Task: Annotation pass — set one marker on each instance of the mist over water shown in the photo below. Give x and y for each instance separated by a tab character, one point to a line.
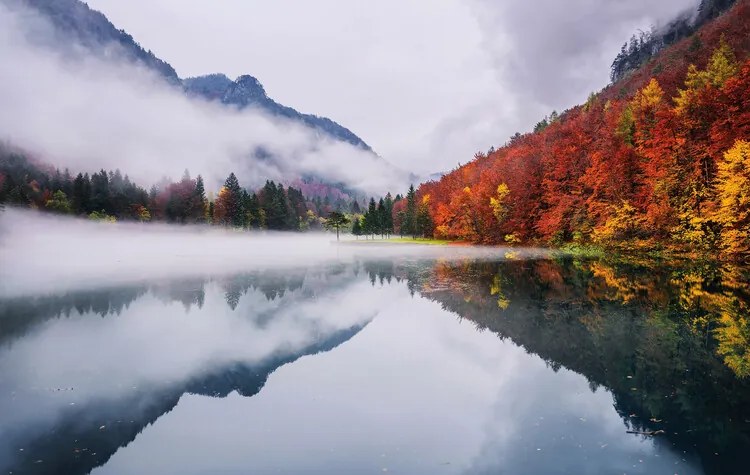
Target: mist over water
414	363
45	253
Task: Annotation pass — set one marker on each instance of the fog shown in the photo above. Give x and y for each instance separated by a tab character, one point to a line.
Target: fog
76	110
42	254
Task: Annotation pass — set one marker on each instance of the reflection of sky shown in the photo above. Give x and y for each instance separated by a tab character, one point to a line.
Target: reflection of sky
416	391
67	364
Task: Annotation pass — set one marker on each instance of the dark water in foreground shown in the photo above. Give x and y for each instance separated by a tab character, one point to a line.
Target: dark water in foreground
411	367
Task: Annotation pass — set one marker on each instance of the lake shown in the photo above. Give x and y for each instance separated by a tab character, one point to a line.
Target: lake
408	365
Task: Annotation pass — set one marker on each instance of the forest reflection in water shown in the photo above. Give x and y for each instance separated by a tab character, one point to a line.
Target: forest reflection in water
669	342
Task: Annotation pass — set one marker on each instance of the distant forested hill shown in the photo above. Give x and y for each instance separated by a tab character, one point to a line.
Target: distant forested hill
644	46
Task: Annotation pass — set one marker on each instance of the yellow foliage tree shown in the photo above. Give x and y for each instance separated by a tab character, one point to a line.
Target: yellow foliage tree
220	206
721	66
497	202
624	221
644	106
732	188
650	96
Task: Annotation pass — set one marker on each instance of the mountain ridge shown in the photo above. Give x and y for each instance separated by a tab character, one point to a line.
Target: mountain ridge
75	22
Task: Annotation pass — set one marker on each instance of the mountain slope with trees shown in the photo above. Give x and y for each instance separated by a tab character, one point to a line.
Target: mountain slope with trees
658	160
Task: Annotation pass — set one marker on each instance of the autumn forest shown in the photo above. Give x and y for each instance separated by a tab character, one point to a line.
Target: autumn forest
657	161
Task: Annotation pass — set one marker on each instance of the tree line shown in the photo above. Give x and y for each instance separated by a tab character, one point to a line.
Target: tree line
110	195
659	161
389	216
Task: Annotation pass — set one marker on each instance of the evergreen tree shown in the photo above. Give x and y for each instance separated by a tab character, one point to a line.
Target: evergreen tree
401	216
424	221
100	192
388	224
357	226
274	205
233	203
289	217
382	219
81	194
371	218
409	225
252	210
198	208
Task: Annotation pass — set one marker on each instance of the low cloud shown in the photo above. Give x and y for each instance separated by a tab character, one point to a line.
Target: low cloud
550	55
87	112
85	254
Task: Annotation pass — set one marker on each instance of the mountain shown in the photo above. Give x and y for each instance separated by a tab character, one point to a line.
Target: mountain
658	161
643	47
247	91
77	24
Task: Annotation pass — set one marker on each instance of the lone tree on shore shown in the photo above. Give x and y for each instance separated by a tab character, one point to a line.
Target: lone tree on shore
336	220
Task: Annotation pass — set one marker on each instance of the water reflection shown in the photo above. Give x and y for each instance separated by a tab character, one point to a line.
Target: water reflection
670	343
560	360
82	374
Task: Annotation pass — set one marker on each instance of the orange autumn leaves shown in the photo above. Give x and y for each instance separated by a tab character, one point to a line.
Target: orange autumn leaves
661	167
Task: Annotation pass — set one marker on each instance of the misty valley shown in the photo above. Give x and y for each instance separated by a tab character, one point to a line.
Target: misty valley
404	364
317	238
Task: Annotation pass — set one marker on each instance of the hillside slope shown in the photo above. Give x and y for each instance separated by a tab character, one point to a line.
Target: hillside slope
655	160
77	24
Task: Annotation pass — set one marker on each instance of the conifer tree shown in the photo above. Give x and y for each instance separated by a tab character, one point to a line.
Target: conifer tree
371	218
198	211
388	219
357	227
382	218
409	225
233	202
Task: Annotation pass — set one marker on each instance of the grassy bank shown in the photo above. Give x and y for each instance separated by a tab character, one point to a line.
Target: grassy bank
409	240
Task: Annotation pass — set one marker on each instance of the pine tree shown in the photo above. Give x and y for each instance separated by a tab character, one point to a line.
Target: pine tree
198	211
409	225
100	192
371	218
388	219
382	218
81	194
357	227
233	202
252	211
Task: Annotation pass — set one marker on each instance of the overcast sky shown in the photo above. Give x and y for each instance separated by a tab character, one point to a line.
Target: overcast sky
426	83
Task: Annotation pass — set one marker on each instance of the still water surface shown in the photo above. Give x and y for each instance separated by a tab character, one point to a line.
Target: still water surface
401	366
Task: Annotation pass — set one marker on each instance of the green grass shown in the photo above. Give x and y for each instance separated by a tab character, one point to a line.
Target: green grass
408	240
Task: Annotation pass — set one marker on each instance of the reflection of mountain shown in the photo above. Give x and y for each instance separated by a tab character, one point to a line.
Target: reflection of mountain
644	334
109	412
85	438
19	315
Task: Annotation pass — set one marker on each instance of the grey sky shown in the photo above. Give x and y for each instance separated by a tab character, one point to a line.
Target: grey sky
426	83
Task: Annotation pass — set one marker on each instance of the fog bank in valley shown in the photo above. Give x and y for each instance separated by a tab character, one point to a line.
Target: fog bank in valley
85	112
41	253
